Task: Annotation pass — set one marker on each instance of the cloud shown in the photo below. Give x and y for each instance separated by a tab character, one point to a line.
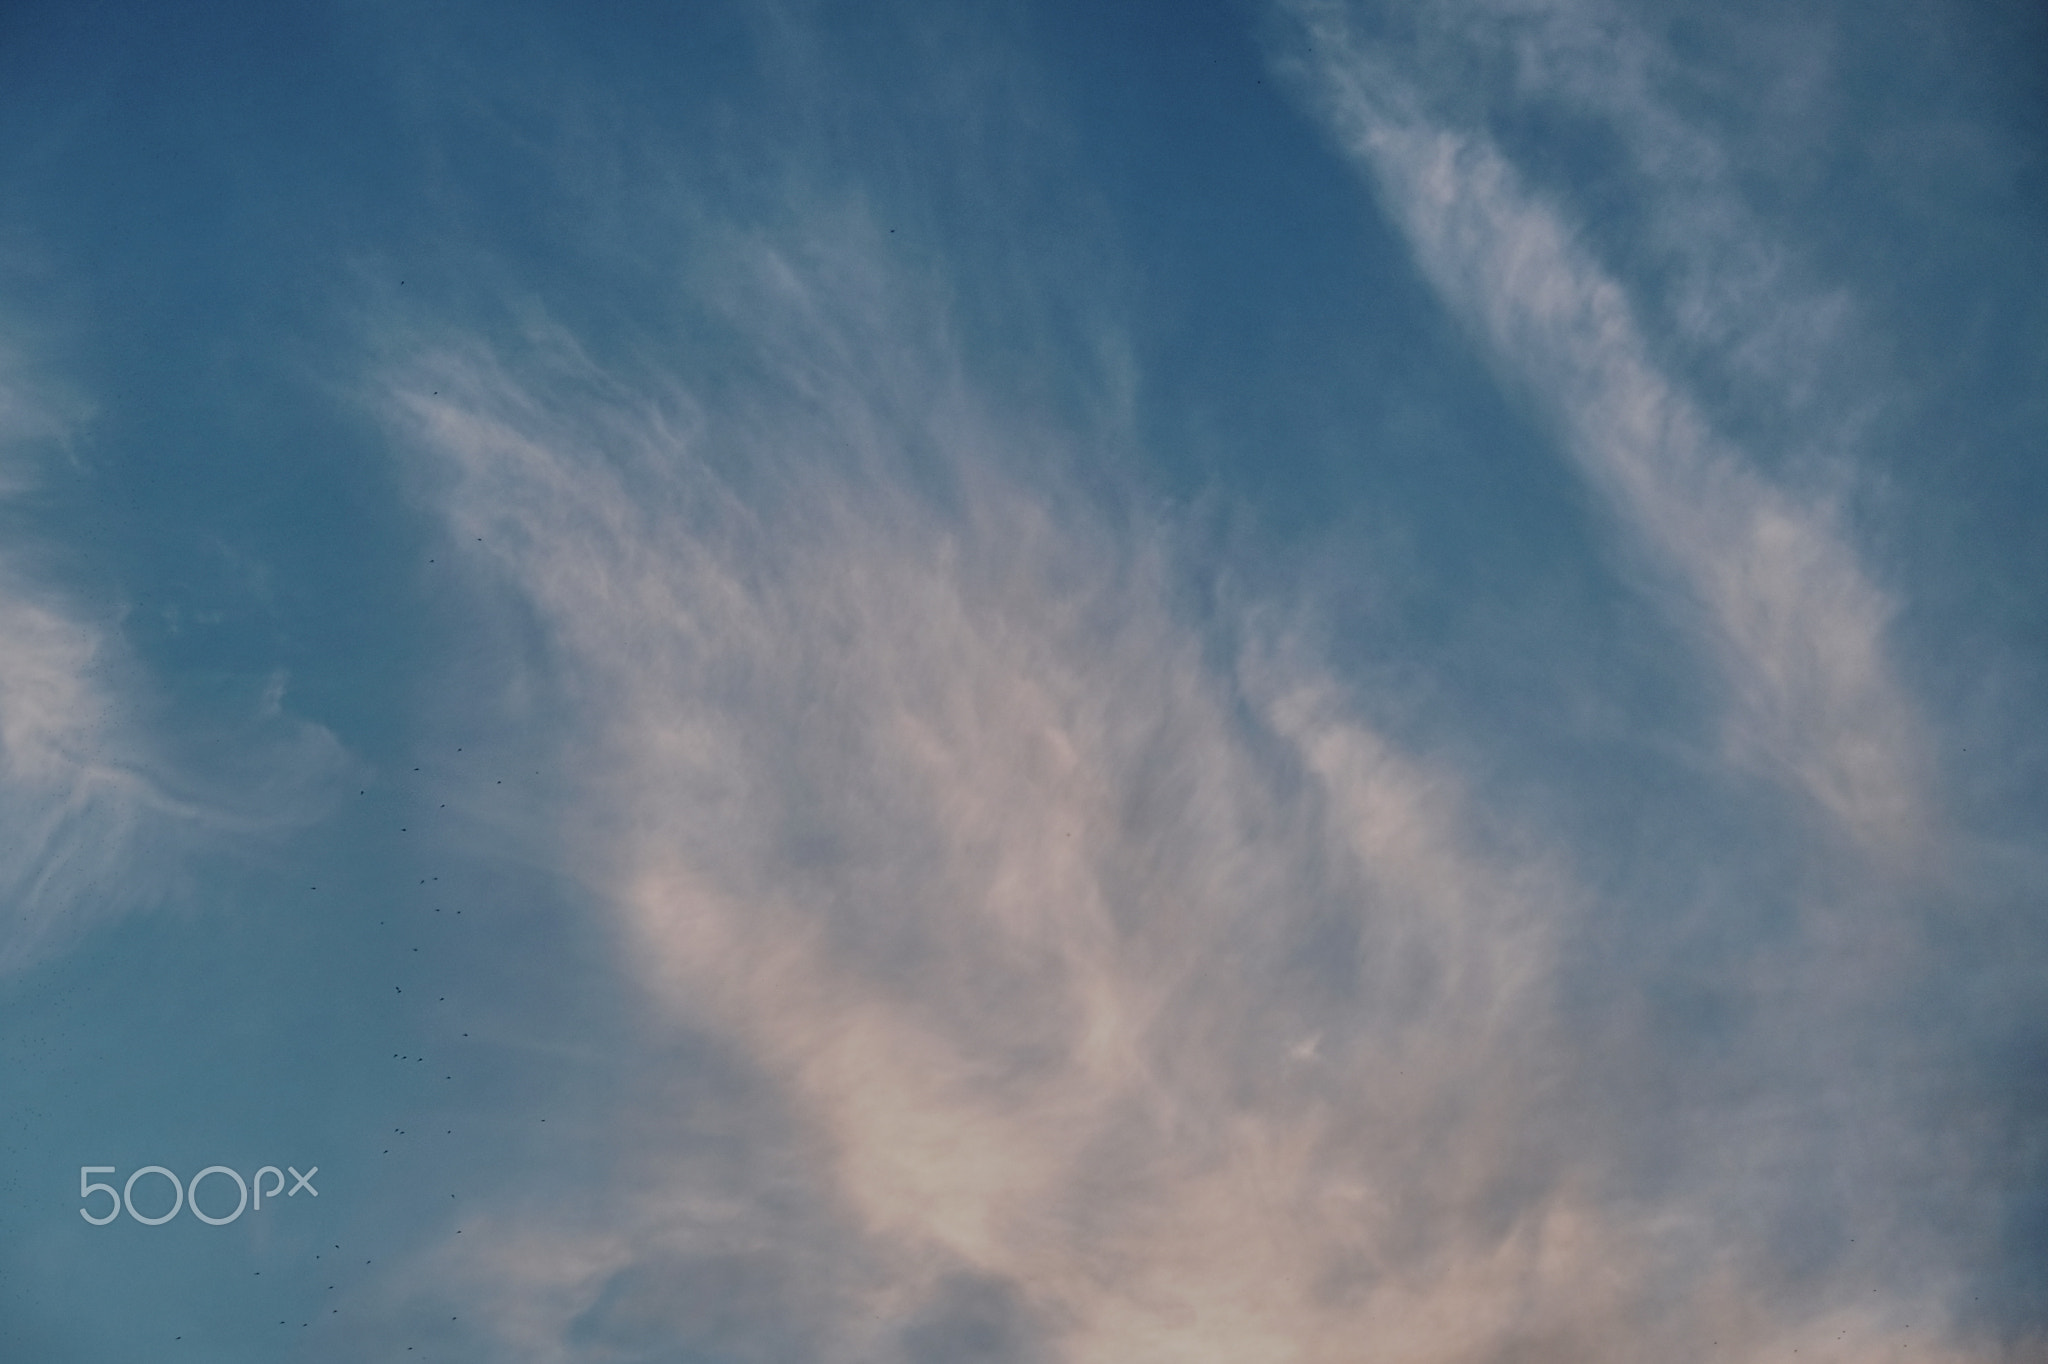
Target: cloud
1780	598
75	810
1125	995
1101	982
96	819
1136	1007
77	816
1615	354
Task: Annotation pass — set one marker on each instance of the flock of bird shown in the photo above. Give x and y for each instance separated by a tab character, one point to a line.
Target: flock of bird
406	931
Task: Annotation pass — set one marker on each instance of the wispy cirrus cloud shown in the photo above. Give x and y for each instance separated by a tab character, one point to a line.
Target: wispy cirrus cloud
77	815
1100	982
1703	394
1150	1008
1011	753
1118	1002
96	817
1781	600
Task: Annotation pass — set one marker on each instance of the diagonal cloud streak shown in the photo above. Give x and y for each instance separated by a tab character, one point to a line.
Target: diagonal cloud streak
1772	587
1787	611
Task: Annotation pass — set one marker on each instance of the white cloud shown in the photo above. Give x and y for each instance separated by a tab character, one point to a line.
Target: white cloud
1768	578
94	821
76	813
1166	1000
1784	606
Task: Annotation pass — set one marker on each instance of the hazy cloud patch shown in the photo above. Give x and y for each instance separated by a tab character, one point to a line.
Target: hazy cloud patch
97	816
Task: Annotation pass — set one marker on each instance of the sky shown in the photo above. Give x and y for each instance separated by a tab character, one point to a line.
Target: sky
793	682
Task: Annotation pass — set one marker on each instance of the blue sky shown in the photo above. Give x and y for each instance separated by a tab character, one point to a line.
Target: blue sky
900	684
